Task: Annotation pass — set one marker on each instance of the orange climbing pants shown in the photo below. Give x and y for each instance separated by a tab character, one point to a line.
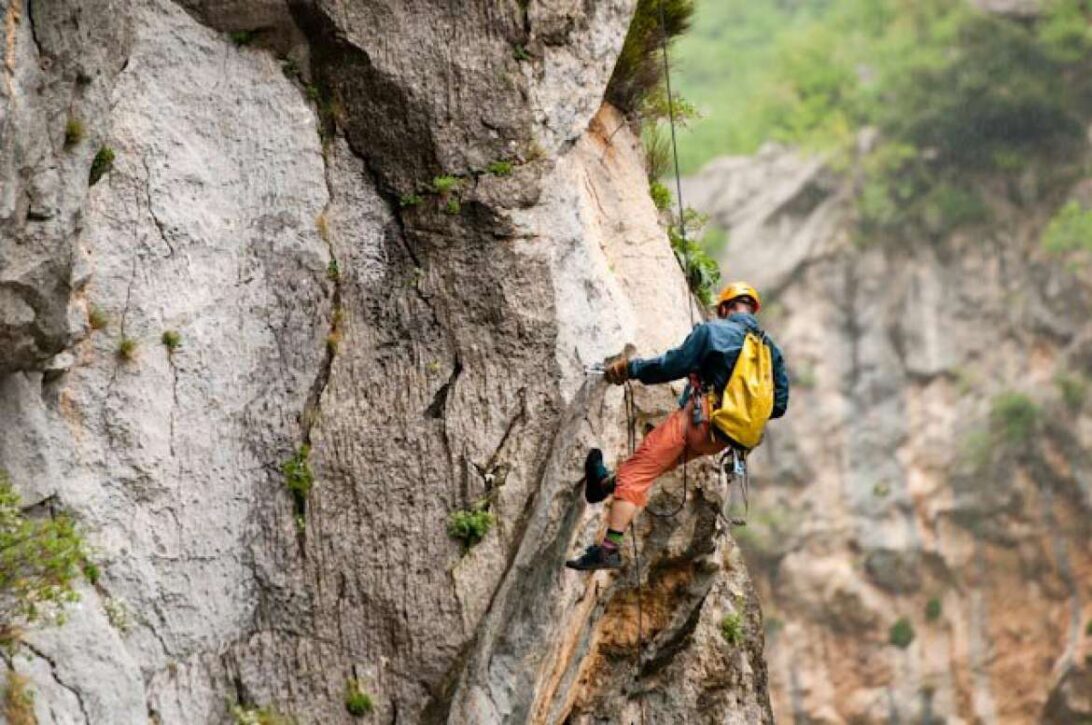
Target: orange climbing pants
662	450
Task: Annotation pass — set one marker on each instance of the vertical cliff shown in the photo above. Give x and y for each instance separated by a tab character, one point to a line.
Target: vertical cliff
387	238
920	529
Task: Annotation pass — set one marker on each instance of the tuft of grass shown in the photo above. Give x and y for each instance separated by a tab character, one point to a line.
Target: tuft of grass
639	68
117	613
445	184
470	525
521	53
290	68
902	633
73	132
357	702
103	163
1069	230
731	628
242	37
127	348
453	206
298	477
91	572
661	195
97	318
1013	417
500	168
1074	390
932	609
322	224
171	340
408	200
333	272
18	701
254	715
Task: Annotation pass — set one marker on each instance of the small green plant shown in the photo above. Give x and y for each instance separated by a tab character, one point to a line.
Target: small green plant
638	72
702	271
96	318
301	523
290	68
18	701
452	206
298	477
500	168
117	613
242	37
881	489
313	93
932	609
1013	417
1074	390
357	702
91	572
253	715
127	348
1070	230
73	132
902	633
333	272
520	53
731	628
470	525
40	559
661	195
408	200
444	184
171	340
104	161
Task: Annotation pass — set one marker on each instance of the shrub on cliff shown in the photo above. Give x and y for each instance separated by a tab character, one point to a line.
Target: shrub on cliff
902	633
40	560
470	525
638	71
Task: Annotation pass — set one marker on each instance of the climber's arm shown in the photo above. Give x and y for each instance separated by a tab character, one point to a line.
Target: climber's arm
781	383
673	364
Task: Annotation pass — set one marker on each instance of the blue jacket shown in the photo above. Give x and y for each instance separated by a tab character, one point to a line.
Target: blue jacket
711	350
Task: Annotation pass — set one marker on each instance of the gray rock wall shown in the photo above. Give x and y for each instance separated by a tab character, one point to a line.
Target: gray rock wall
270	201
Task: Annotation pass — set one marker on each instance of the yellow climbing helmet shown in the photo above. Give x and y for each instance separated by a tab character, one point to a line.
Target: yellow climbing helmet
739	289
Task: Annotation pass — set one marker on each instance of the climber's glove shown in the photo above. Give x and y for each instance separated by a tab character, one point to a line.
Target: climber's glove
616	369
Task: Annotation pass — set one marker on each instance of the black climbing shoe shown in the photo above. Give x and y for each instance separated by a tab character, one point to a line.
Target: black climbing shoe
598	480
596	557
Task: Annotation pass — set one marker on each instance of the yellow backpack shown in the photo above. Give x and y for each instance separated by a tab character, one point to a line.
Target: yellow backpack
747	400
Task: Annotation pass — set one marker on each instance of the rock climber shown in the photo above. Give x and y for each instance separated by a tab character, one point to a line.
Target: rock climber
707	357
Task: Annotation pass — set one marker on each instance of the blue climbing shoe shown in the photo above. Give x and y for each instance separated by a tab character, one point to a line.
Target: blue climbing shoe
598	479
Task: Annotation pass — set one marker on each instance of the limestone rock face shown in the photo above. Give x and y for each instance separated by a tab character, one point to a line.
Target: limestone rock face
277	199
906	485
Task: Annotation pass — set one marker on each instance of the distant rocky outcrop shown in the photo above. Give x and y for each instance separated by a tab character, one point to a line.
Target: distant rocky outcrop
921	520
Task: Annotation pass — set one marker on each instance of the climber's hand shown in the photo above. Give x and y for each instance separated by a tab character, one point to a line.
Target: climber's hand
616	369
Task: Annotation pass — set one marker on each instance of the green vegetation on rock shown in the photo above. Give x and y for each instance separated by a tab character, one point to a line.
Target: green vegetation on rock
40	561
902	633
357	702
932	609
1069	230
731	628
470	525
104	161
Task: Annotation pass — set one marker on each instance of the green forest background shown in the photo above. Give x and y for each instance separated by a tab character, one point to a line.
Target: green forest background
958	97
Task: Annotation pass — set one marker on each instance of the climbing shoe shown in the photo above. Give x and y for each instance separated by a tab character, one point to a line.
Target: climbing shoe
597	557
598	480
